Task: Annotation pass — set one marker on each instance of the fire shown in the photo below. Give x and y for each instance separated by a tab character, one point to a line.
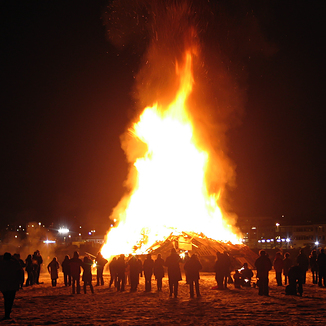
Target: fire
169	193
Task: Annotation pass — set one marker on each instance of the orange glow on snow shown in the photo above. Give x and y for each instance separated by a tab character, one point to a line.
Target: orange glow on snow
169	191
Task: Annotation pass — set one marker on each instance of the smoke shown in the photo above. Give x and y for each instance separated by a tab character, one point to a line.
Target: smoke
223	37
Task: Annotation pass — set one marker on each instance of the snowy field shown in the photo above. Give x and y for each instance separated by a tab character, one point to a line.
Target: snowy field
44	305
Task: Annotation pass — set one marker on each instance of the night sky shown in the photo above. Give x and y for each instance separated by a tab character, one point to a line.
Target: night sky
67	96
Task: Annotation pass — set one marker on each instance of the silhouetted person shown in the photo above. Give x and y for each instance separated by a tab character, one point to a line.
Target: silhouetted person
121	273
321	261
38	261
148	272
66	270
10	278
303	263
30	271
22	265
159	271
219	271
173	264
278	266
237	279
314	266
287	263
75	270
227	269
263	266
295	281
246	275
100	263
113	272
185	259
87	273
192	268
53	268
134	273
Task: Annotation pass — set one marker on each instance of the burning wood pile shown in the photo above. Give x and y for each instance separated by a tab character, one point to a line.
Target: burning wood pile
205	248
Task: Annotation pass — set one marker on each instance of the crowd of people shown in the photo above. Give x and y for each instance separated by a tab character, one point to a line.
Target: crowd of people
129	270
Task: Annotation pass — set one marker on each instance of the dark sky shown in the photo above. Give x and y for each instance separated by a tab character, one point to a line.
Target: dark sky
66	99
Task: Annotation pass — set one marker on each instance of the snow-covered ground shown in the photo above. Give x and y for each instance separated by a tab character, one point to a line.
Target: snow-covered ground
45	305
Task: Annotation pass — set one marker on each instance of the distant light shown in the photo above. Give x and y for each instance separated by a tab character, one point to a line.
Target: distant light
253	228
20	226
49	241
114	220
277	224
80	226
278	240
63	231
32	225
16	236
39	223
90	233
288	240
317	243
259	241
111	225
79	234
283	240
262	240
268	240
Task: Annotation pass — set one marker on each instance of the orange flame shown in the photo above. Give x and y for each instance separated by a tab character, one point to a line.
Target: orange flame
170	192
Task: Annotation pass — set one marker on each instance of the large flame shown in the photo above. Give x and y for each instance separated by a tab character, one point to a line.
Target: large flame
170	192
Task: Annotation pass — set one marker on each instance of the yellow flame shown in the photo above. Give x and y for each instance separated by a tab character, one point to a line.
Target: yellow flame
170	192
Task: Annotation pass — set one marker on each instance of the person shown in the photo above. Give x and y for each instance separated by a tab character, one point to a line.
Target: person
246	275
219	271
100	263
227	269
30	270
113	272
321	261
185	259
134	273
237	279
22	265
75	269
295	281
314	266
174	273
87	273
192	268
66	271
159	271
38	261
263	266
53	268
121	273
278	267
303	263
148	272
10	278
287	263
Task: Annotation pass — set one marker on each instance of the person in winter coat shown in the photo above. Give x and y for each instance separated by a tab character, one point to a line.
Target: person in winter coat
22	265
303	263
135	271
159	271
263	266
66	270
100	263
38	261
75	270
148	272
174	273
10	278
278	266
113	272
287	263
87	273
121	273
29	270
295	281
219	270
321	261
192	268
53	268
314	266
